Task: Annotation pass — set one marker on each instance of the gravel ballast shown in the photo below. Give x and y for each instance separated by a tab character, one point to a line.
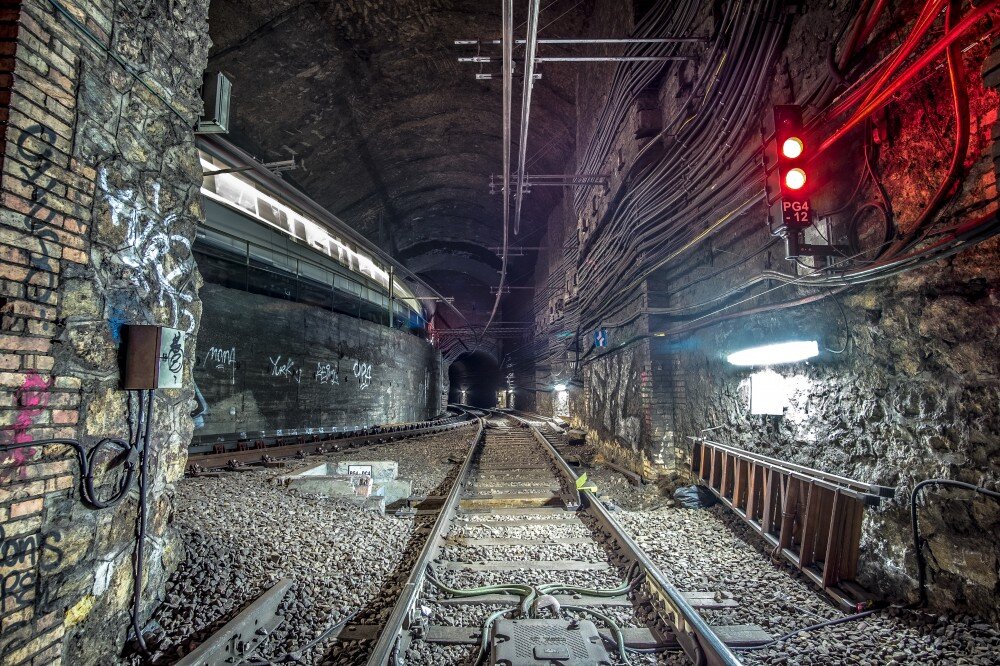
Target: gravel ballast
242	533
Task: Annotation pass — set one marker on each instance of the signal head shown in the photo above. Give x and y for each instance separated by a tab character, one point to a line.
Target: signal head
792	147
795	178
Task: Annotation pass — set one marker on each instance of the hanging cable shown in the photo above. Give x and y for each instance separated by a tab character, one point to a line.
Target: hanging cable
140	543
918	542
507	26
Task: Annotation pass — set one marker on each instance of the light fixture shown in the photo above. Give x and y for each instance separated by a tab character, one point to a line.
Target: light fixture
782	352
560	387
792	147
795	179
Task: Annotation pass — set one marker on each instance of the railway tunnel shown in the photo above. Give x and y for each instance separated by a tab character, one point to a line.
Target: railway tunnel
499	331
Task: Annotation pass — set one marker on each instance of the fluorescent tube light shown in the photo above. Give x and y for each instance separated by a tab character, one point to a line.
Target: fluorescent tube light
782	352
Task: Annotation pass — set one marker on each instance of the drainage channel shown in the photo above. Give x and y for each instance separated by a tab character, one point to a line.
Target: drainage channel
523	567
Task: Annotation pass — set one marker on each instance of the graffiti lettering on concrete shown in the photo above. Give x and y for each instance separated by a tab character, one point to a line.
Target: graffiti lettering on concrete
220	358
285	369
31	400
19	558
363	371
326	374
158	262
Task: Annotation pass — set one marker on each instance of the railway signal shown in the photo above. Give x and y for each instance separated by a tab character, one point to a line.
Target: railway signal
788	184
786	152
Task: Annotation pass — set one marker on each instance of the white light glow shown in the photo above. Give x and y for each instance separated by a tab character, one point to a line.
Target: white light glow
560	387
768	393
782	352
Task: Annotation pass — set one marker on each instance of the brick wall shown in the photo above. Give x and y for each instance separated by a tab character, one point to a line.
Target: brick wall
100	198
9	13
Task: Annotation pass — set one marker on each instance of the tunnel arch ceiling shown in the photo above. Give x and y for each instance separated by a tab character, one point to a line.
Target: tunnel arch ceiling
397	138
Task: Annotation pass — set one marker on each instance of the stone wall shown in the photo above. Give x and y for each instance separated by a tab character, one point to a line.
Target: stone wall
914	396
100	202
267	364
913	392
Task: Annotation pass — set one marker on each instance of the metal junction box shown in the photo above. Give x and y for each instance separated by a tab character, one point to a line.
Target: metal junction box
547	642
216	92
154	357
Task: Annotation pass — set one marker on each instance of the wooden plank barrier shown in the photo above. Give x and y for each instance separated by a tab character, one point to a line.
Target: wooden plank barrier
810	518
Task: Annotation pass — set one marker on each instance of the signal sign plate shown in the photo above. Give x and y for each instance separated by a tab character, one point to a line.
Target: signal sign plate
796	213
601	337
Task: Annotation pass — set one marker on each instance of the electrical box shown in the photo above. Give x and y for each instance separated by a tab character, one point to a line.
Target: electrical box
216	91
547	642
153	357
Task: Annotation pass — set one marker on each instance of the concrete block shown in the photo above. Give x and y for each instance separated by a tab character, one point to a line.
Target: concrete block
379	470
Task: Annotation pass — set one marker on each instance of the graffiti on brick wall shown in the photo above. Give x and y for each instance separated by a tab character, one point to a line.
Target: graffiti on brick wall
20	558
159	262
363	372
33	168
31	400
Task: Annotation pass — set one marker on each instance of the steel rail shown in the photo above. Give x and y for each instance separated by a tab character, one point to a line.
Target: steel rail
215	460
388	641
693	634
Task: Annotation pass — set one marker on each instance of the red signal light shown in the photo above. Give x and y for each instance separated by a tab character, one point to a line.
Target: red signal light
792	147
795	179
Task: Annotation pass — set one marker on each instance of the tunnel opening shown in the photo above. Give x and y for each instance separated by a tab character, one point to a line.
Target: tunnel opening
474	379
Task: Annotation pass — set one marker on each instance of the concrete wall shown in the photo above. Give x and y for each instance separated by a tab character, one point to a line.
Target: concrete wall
100	202
266	364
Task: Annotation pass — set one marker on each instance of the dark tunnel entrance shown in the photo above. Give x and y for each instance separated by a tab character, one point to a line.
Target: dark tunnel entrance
474	380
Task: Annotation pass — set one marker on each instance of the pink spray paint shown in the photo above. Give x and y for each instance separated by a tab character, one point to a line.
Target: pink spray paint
32	399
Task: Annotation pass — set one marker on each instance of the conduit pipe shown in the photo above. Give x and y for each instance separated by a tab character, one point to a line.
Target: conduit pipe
881	98
531	48
507	28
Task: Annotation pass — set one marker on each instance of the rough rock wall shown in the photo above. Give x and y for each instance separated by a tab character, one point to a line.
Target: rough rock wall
100	202
267	364
913	392
914	396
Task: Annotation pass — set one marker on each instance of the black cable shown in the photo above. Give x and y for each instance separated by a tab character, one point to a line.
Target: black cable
812	627
296	655
141	523
854	240
85	459
847	326
918	543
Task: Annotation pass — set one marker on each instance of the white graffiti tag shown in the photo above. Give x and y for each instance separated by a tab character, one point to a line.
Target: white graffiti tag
219	357
363	371
279	369
326	374
158	262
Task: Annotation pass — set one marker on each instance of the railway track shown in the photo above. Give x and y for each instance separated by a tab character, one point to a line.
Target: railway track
296	444
522	566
